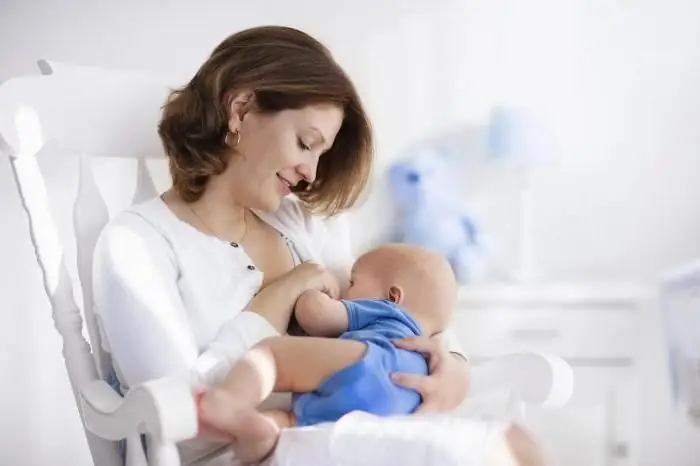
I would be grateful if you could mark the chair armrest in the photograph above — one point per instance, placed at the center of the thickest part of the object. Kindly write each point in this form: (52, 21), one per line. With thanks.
(534, 378)
(162, 408)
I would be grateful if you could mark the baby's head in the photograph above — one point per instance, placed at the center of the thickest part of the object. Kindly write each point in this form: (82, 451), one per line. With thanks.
(417, 279)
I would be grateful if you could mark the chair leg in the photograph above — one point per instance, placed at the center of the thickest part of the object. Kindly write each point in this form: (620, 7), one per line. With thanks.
(134, 451)
(163, 455)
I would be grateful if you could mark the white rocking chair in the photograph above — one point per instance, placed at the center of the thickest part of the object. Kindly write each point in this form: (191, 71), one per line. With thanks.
(81, 124)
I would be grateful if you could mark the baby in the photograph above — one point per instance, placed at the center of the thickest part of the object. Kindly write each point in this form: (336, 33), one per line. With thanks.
(345, 363)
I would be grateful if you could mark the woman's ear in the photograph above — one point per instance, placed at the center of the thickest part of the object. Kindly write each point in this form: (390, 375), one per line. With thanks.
(395, 294)
(241, 104)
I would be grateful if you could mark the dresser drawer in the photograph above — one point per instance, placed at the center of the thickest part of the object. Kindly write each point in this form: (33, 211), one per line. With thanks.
(581, 335)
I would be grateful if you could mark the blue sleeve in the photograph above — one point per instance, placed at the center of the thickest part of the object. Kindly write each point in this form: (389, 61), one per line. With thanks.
(362, 313)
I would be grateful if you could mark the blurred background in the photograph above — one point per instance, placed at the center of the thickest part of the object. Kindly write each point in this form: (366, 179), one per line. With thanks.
(569, 129)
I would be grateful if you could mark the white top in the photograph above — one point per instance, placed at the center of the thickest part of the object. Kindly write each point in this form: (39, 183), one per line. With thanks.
(170, 300)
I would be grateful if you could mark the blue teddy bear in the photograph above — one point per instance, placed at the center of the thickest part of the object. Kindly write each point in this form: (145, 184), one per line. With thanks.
(429, 215)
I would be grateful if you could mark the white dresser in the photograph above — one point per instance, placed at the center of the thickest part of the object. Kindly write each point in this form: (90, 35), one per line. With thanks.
(596, 329)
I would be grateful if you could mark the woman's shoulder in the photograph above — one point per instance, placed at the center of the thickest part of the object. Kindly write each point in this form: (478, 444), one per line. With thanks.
(142, 222)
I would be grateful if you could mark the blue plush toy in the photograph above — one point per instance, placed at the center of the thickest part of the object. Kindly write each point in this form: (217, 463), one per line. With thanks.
(429, 215)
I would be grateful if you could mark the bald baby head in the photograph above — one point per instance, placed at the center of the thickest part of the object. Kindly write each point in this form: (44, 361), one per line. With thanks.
(417, 279)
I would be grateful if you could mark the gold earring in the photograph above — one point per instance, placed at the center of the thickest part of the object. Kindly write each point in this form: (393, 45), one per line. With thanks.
(238, 138)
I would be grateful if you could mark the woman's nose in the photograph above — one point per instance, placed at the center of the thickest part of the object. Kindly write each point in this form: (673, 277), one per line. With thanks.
(307, 171)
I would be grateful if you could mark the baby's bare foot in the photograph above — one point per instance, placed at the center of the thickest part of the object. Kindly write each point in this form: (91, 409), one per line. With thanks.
(255, 435)
(252, 435)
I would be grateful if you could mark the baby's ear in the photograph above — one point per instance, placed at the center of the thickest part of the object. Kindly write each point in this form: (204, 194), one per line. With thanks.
(395, 294)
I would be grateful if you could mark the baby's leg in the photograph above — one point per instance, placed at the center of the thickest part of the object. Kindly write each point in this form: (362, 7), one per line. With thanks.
(284, 364)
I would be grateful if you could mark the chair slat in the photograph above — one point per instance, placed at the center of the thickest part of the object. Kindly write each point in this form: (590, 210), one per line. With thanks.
(145, 187)
(66, 314)
(89, 217)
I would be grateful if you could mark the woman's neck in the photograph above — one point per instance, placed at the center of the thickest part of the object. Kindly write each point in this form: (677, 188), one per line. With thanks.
(218, 209)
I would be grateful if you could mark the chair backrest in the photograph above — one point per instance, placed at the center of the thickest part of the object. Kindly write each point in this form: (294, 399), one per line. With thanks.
(65, 130)
(83, 146)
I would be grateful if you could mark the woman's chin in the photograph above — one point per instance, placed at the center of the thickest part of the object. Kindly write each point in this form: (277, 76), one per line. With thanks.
(270, 204)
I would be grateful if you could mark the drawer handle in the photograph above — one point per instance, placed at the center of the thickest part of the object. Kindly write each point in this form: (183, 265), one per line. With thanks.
(535, 334)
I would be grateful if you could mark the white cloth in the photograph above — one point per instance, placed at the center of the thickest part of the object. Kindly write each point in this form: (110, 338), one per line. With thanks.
(360, 439)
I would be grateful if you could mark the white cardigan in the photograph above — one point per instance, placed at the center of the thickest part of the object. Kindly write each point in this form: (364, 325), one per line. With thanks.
(170, 300)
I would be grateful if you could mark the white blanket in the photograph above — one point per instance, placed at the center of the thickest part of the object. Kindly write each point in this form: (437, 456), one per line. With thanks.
(361, 439)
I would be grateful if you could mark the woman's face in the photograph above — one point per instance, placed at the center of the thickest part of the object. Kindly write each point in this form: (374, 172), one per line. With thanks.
(277, 151)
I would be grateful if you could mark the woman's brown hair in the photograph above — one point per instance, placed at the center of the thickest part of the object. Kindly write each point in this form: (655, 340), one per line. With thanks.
(286, 69)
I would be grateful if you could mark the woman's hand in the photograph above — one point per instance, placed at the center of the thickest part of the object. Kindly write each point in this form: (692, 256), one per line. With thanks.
(312, 276)
(446, 385)
(276, 301)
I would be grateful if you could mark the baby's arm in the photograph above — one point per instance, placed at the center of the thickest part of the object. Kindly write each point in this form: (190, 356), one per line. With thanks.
(320, 315)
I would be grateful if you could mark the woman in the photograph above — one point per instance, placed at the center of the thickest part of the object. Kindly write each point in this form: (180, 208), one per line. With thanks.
(185, 283)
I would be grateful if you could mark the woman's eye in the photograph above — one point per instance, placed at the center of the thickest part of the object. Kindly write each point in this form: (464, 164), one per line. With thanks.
(301, 144)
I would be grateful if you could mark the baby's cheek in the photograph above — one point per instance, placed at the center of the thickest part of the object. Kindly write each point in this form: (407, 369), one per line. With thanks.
(350, 293)
(359, 291)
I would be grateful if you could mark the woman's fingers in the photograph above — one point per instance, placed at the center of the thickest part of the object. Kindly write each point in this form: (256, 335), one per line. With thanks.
(316, 277)
(423, 384)
(420, 344)
(332, 287)
(426, 408)
(431, 348)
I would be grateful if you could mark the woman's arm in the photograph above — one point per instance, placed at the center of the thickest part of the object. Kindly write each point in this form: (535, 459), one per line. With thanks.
(144, 318)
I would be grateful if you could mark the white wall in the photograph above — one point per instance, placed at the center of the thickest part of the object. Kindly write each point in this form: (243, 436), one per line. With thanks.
(618, 79)
(618, 82)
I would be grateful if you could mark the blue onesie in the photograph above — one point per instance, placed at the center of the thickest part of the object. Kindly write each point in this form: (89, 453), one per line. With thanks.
(365, 385)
